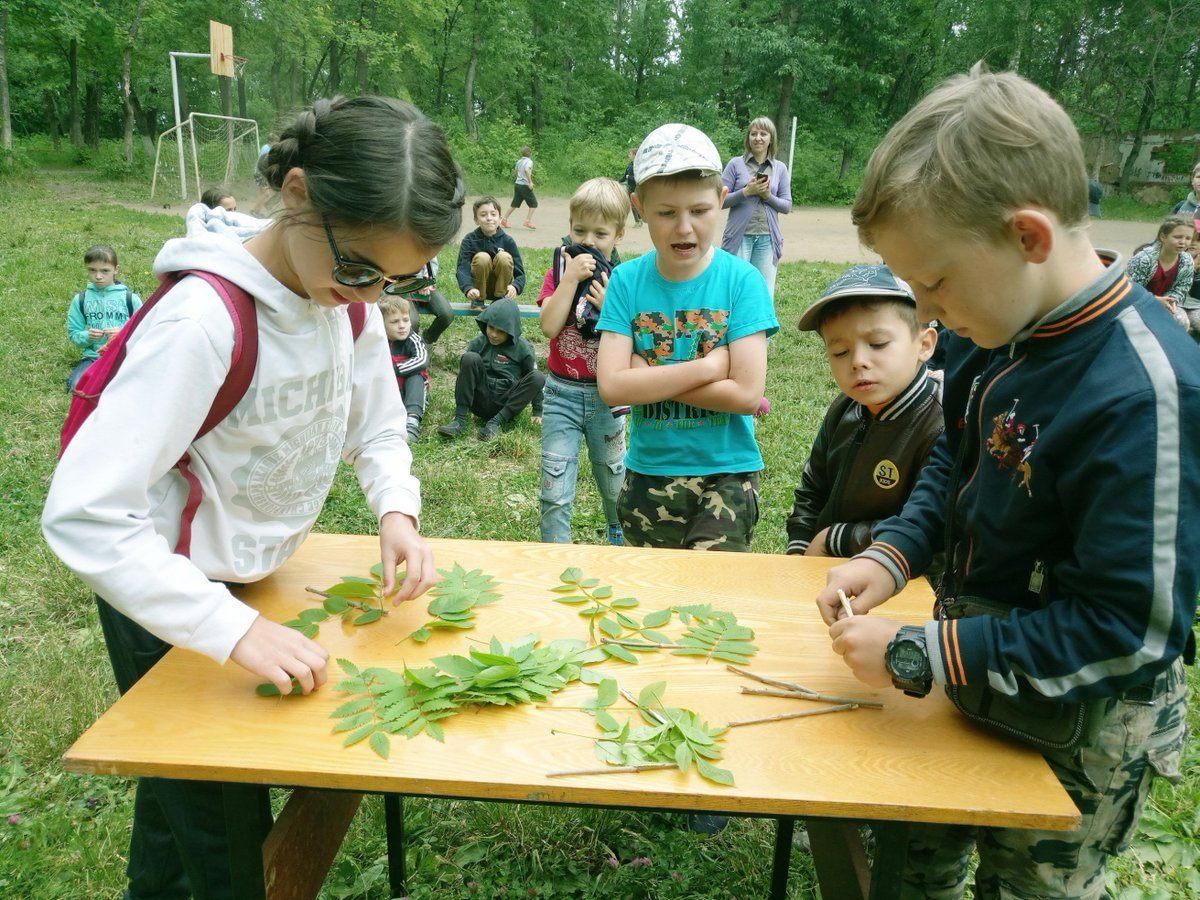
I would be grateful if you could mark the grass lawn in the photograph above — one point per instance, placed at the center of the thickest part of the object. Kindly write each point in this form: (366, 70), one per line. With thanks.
(65, 836)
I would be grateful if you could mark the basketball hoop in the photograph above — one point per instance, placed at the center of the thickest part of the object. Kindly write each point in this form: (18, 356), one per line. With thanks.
(239, 65)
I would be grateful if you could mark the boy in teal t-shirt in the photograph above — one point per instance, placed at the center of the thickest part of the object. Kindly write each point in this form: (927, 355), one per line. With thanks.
(98, 311)
(684, 343)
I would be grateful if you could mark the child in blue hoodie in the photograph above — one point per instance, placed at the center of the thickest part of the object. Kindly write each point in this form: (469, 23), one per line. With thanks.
(98, 311)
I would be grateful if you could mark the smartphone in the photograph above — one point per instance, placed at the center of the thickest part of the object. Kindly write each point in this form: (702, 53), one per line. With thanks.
(761, 176)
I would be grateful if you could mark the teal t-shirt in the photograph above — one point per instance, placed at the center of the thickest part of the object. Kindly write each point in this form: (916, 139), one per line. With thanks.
(675, 321)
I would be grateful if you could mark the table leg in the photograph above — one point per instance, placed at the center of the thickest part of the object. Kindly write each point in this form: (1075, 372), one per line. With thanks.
(393, 816)
(839, 858)
(891, 859)
(785, 826)
(247, 822)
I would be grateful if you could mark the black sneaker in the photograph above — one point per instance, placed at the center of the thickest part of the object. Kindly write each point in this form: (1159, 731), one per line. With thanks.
(414, 429)
(706, 823)
(453, 428)
(489, 429)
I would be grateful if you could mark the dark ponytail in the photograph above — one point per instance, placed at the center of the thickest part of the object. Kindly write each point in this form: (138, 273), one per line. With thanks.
(373, 161)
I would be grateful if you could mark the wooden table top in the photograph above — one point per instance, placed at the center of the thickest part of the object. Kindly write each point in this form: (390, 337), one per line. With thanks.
(915, 760)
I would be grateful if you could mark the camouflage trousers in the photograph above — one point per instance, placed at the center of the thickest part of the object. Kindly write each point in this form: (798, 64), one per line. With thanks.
(1138, 737)
(698, 512)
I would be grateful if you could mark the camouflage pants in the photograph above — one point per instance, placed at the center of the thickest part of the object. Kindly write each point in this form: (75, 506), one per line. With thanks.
(699, 512)
(1108, 778)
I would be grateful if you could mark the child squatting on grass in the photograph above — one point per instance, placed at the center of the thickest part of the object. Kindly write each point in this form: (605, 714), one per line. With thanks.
(97, 312)
(878, 432)
(489, 263)
(369, 193)
(1065, 489)
(571, 299)
(684, 341)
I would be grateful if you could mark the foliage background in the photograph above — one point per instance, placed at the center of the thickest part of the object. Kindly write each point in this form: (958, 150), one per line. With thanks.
(583, 80)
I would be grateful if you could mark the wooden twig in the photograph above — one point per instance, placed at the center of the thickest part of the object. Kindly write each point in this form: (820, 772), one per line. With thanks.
(613, 770)
(827, 698)
(639, 645)
(845, 604)
(786, 685)
(651, 713)
(313, 590)
(795, 715)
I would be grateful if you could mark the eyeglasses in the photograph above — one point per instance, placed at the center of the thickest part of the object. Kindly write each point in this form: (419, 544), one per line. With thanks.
(361, 275)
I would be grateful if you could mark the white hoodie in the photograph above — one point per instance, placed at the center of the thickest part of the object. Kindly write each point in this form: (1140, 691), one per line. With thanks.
(112, 514)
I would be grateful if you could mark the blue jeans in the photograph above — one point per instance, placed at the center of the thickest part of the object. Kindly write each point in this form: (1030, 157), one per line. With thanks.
(573, 412)
(756, 249)
(80, 367)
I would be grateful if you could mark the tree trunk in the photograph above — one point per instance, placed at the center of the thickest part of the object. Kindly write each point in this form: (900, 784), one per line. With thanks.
(312, 83)
(126, 64)
(74, 125)
(1143, 125)
(292, 86)
(847, 156)
(53, 125)
(145, 120)
(5, 112)
(276, 71)
(360, 70)
(241, 85)
(1014, 59)
(335, 68)
(469, 81)
(783, 119)
(448, 26)
(535, 72)
(91, 112)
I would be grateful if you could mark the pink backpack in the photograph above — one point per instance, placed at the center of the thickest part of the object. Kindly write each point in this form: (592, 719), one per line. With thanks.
(90, 387)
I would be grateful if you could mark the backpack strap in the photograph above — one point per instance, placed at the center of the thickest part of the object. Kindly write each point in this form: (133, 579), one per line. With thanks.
(358, 318)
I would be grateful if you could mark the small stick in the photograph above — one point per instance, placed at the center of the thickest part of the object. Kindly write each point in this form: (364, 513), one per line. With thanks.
(845, 604)
(638, 645)
(313, 590)
(651, 713)
(827, 698)
(613, 770)
(786, 685)
(795, 715)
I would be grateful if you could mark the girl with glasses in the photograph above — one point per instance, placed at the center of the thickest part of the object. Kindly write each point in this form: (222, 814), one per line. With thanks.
(368, 193)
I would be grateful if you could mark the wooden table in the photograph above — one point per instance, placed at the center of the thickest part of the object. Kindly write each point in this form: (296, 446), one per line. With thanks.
(913, 761)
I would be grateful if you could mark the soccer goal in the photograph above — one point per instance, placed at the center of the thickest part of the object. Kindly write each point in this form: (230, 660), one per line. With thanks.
(205, 150)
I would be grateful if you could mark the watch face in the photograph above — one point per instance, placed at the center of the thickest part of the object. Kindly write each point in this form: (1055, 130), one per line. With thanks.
(908, 660)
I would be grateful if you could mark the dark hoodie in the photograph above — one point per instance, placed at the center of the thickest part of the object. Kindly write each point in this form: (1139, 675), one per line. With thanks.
(491, 245)
(505, 363)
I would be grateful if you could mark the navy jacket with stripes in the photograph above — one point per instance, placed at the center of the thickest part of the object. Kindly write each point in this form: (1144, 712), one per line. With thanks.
(1079, 500)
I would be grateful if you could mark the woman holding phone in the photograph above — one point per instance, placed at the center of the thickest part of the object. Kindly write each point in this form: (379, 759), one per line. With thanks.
(760, 188)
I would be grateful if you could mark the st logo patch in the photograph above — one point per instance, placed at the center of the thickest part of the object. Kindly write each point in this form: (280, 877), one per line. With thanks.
(886, 475)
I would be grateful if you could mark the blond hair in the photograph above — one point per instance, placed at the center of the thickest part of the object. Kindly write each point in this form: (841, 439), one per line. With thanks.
(395, 303)
(762, 123)
(975, 148)
(601, 197)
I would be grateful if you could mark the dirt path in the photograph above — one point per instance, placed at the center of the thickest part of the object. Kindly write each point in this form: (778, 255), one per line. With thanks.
(810, 233)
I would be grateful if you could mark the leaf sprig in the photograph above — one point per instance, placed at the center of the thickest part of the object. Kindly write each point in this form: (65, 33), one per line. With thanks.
(714, 634)
(669, 735)
(358, 600)
(455, 598)
(415, 700)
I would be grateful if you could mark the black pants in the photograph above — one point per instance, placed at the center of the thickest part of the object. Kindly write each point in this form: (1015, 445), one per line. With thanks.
(473, 394)
(443, 315)
(412, 390)
(179, 847)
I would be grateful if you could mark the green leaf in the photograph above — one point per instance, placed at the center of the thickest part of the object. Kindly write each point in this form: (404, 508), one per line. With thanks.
(458, 666)
(380, 744)
(656, 619)
(627, 622)
(309, 630)
(336, 605)
(350, 707)
(591, 676)
(368, 617)
(574, 598)
(310, 616)
(616, 651)
(435, 731)
(610, 627)
(605, 721)
(377, 571)
(651, 695)
(656, 636)
(564, 588)
(268, 689)
(713, 773)
(730, 657)
(352, 722)
(683, 757)
(591, 583)
(606, 693)
(621, 602)
(570, 576)
(421, 635)
(493, 674)
(354, 589)
(603, 592)
(361, 734)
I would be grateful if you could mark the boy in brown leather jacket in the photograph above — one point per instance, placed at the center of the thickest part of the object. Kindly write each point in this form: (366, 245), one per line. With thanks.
(878, 433)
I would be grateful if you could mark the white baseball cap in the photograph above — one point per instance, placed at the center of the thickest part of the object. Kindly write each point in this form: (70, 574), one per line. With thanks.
(675, 148)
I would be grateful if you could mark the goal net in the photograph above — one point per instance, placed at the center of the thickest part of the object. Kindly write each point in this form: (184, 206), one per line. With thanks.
(205, 151)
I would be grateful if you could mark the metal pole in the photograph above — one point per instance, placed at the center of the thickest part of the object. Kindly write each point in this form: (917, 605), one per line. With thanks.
(178, 130)
(792, 149)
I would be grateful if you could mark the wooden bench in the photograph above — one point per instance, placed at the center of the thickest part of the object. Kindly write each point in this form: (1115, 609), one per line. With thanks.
(528, 310)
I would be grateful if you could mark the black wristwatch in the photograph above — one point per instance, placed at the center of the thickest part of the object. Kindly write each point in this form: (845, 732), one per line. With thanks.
(907, 661)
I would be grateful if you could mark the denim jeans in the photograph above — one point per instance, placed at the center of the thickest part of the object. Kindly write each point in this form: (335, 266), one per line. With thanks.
(756, 249)
(573, 412)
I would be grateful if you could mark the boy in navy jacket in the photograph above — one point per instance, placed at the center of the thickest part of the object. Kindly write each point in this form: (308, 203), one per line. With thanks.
(1066, 487)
